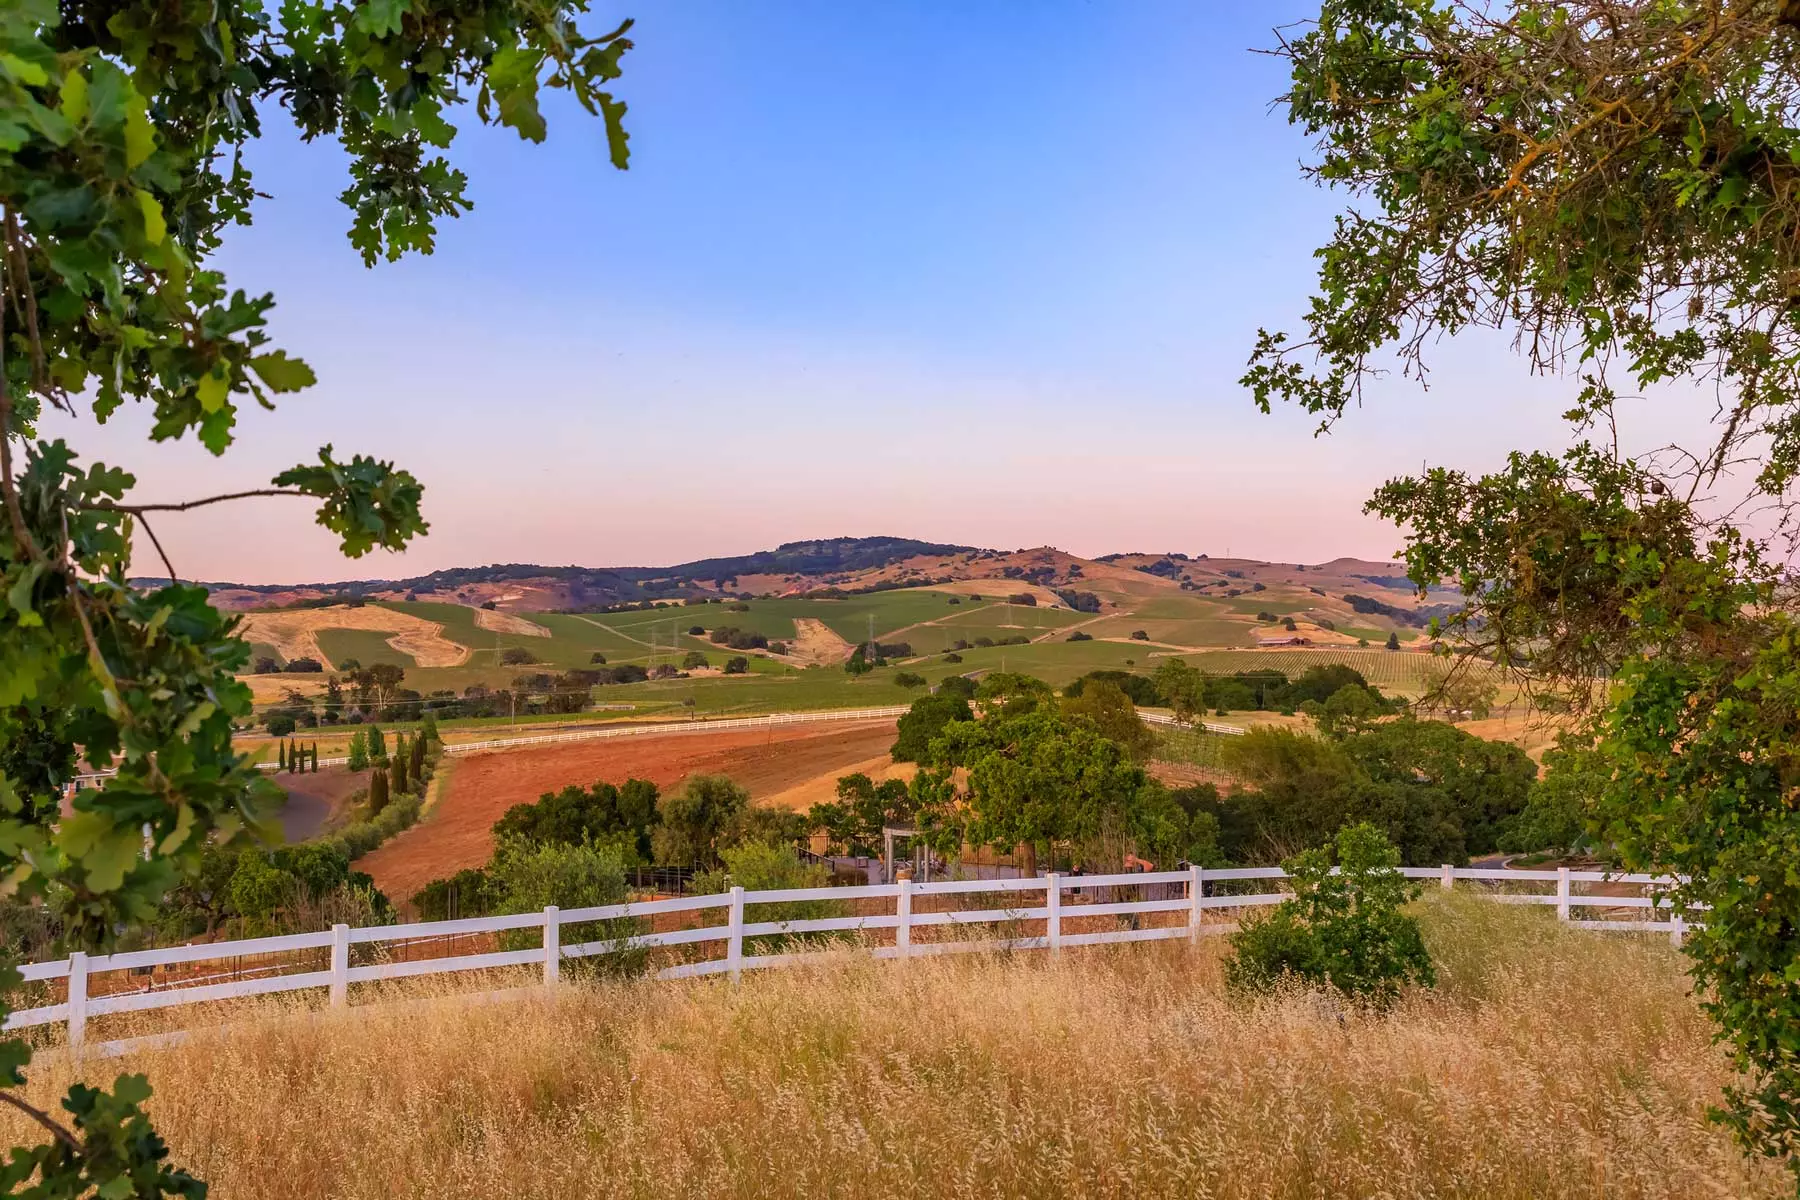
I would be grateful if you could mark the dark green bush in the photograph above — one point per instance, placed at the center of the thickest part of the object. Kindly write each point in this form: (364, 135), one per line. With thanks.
(1346, 930)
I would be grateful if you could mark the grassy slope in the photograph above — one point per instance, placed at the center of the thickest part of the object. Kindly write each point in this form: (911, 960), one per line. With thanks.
(1550, 1064)
(366, 646)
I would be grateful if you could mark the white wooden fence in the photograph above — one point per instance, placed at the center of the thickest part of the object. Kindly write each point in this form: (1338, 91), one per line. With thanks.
(1052, 899)
(641, 730)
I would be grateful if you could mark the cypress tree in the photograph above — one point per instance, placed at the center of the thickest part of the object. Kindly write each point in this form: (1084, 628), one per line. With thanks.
(359, 751)
(282, 760)
(378, 791)
(417, 765)
(315, 758)
(397, 775)
(377, 744)
(429, 728)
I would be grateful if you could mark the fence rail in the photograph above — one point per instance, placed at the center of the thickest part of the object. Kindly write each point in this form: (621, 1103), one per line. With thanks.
(1052, 899)
(647, 729)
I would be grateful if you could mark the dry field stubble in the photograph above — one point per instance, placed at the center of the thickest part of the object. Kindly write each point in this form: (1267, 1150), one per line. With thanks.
(1550, 1064)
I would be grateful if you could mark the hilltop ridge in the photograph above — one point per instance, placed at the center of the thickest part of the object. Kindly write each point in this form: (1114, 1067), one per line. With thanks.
(845, 565)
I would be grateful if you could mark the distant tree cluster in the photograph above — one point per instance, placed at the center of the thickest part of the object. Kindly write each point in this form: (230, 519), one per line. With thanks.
(1085, 602)
(733, 638)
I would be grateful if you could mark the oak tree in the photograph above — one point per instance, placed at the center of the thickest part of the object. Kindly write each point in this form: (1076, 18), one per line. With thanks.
(1616, 186)
(123, 126)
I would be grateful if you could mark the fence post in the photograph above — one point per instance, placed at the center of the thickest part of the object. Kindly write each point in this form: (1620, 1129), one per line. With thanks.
(1448, 879)
(78, 988)
(552, 945)
(903, 916)
(340, 965)
(1562, 893)
(734, 948)
(1053, 914)
(1677, 930)
(1196, 898)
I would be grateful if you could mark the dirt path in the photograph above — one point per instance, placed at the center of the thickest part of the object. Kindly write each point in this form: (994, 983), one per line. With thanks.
(815, 642)
(313, 798)
(457, 832)
(610, 629)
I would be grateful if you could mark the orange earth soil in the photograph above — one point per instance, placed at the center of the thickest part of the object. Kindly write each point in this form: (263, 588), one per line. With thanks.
(479, 788)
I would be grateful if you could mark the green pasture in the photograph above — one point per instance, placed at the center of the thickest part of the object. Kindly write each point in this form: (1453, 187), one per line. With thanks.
(1214, 631)
(366, 646)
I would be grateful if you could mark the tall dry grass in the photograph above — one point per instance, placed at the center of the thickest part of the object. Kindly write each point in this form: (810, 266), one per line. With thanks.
(1550, 1063)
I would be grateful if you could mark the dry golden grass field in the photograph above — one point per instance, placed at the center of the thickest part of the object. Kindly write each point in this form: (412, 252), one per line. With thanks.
(1550, 1063)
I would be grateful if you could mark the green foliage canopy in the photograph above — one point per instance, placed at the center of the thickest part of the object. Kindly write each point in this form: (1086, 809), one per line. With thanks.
(1615, 185)
(1345, 928)
(122, 131)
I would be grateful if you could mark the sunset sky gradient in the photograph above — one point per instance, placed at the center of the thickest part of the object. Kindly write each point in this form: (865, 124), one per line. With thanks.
(974, 273)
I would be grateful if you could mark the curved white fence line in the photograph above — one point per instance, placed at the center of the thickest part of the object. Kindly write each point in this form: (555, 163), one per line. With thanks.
(1057, 898)
(612, 731)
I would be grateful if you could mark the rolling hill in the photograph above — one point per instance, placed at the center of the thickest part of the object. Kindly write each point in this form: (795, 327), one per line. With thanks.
(796, 612)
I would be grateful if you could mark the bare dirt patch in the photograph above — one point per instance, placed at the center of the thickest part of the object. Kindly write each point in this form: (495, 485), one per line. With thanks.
(294, 633)
(457, 832)
(814, 641)
(505, 622)
(822, 788)
(271, 689)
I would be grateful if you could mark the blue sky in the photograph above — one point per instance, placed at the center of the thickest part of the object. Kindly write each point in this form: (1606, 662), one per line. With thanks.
(983, 273)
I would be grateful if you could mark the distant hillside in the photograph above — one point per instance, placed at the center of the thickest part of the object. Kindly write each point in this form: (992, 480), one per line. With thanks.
(846, 566)
(830, 556)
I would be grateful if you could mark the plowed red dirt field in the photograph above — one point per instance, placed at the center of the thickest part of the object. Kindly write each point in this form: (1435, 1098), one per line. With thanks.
(480, 787)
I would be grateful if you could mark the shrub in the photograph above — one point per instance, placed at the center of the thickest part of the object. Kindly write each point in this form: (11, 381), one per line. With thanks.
(515, 656)
(1345, 930)
(468, 893)
(489, 605)
(279, 724)
(303, 666)
(694, 660)
(596, 659)
(737, 665)
(778, 647)
(1139, 635)
(696, 631)
(1267, 618)
(527, 877)
(1393, 642)
(953, 657)
(908, 679)
(1079, 636)
(359, 751)
(759, 866)
(265, 665)
(1024, 598)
